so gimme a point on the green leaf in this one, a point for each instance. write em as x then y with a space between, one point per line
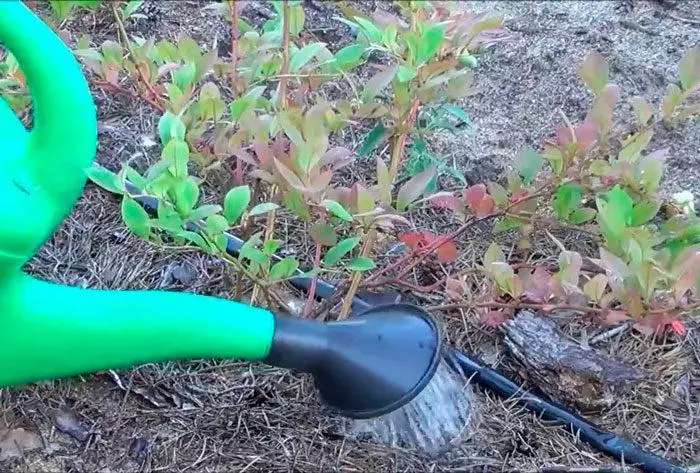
235 203
201 213
493 254
135 217
250 252
246 102
294 201
342 248
378 82
350 56
187 195
360 263
167 128
284 269
372 33
506 224
297 18
105 178
614 212
193 237
184 76
302 57
263 208
383 182
338 210
594 72
566 199
671 100
372 140
644 212
634 145
178 153
499 194
459 113
131 7
290 129
414 188
406 73
689 68
216 224
528 164
323 234
582 215
642 110
431 41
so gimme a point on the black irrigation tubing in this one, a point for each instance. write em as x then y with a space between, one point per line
604 441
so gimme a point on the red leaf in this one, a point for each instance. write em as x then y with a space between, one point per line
447 252
478 200
613 317
537 285
454 288
412 240
563 134
449 202
678 326
493 318
586 133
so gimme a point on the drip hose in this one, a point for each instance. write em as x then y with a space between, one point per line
604 441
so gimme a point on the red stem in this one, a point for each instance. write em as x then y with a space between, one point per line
308 307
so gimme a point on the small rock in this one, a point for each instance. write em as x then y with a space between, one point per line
180 272
67 422
138 447
14 442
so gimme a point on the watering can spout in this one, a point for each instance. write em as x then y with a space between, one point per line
42 170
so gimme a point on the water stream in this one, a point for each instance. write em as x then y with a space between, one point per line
441 414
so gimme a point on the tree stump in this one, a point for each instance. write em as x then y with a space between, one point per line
563 369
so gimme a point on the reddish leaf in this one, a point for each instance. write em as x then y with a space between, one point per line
586 134
289 176
447 252
445 201
678 326
478 200
537 286
263 153
614 317
412 240
454 288
335 155
493 318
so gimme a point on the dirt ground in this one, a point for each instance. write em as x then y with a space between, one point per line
225 416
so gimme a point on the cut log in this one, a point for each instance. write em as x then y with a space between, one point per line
563 369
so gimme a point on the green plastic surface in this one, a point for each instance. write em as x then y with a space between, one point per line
49 331
52 331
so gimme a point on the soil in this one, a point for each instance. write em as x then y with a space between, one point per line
227 416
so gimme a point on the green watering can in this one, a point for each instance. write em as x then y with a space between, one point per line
364 367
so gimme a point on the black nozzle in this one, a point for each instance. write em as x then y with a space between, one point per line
366 366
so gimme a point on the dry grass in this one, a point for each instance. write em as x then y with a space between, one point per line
225 416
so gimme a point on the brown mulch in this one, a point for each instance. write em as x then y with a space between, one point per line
216 416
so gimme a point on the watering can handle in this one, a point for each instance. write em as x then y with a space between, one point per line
42 170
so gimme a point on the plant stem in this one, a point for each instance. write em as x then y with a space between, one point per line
127 44
121 90
517 305
308 307
234 46
284 70
397 150
399 142
270 222
357 275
